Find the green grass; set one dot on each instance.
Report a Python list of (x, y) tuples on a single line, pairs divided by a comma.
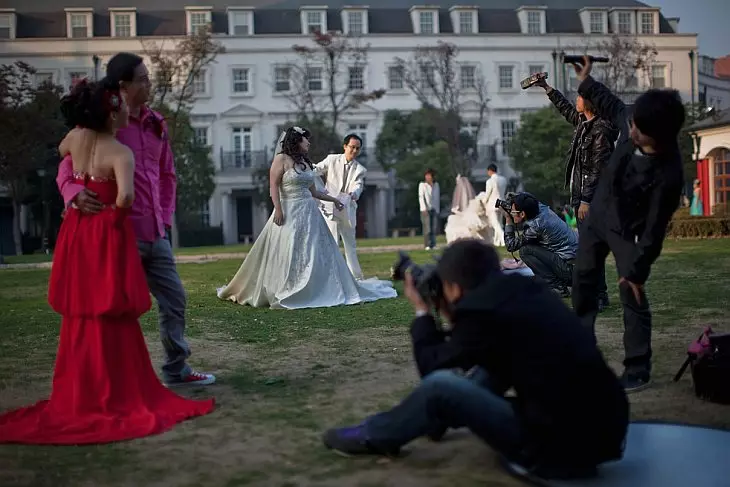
[(285, 376), (229, 249)]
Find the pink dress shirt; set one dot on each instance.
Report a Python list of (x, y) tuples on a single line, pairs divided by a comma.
[(155, 182)]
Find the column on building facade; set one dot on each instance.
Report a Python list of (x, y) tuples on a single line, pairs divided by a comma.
[(24, 219), (229, 230), (379, 226)]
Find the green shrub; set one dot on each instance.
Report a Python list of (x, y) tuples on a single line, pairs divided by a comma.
[(699, 227)]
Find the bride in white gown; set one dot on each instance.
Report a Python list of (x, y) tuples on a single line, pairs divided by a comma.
[(295, 263)]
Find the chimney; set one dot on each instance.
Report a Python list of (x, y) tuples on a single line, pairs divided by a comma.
[(674, 23)]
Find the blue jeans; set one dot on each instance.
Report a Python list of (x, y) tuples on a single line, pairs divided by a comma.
[(166, 286), (428, 224), (446, 398)]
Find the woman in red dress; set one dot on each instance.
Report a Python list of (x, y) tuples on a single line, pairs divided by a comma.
[(104, 386)]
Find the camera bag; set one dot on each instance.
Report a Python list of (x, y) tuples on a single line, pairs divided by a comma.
[(709, 360)]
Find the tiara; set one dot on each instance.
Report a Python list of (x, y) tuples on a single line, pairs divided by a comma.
[(298, 130)]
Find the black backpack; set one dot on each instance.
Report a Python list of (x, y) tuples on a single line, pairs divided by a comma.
[(709, 358)]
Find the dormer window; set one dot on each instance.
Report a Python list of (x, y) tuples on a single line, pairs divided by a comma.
[(240, 21), (647, 22), (532, 20), (7, 24), (199, 18), (314, 19), (464, 20), (355, 21), (623, 22), (79, 23), (425, 20), (123, 22), (594, 21)]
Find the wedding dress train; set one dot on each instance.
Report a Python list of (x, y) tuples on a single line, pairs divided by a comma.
[(473, 222), (299, 264)]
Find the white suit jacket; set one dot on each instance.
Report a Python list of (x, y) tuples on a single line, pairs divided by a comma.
[(332, 169), (496, 188)]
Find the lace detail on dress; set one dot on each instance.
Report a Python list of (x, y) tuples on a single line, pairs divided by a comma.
[(99, 179), (295, 184)]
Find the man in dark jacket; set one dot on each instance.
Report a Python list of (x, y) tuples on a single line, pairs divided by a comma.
[(570, 412), (635, 199), (592, 145)]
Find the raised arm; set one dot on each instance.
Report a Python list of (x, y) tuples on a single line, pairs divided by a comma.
[(566, 109), (608, 106), (124, 174)]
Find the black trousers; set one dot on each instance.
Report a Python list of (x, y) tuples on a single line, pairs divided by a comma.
[(548, 266), (602, 288), (593, 248)]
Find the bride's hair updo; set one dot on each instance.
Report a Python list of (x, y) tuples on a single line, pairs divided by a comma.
[(290, 146), (89, 104)]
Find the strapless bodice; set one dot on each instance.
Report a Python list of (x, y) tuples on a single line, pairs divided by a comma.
[(296, 182), (105, 188)]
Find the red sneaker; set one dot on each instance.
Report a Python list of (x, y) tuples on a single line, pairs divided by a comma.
[(193, 379)]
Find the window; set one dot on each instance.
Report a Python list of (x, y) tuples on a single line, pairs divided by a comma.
[(281, 79), (468, 77), (356, 78), (596, 23), (76, 75), (721, 175), (200, 136), (200, 86), (647, 23), (396, 78), (42, 77), (355, 23), (6, 26), (241, 23), (427, 77), (508, 132), (506, 77), (470, 128), (658, 77), (425, 21), (198, 21), (535, 68), (80, 25), (314, 78), (534, 22), (122, 25), (241, 147), (466, 23), (361, 130), (315, 22), (241, 81), (624, 22)]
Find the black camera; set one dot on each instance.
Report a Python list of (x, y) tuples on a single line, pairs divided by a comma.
[(425, 277), (506, 205), (578, 59)]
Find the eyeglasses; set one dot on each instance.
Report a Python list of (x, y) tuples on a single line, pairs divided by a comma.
[(353, 147)]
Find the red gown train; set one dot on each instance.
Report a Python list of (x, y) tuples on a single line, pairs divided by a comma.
[(104, 386)]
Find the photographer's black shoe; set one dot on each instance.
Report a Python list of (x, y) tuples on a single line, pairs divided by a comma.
[(603, 302), (635, 382), (352, 441)]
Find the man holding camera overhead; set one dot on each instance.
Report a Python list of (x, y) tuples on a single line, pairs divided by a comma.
[(546, 243), (592, 145), (569, 414)]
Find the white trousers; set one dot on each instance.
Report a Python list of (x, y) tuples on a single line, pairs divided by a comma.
[(495, 221), (347, 233)]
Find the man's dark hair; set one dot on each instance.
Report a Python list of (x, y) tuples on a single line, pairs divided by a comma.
[(589, 107), (492, 167), (431, 172), (527, 203), (467, 263), (659, 114), (121, 67), (347, 138)]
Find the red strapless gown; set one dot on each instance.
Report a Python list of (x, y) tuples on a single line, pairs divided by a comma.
[(104, 386)]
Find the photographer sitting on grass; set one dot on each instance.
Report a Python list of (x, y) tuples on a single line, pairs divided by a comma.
[(570, 413), (547, 244)]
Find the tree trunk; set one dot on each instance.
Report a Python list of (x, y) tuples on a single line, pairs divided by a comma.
[(17, 235)]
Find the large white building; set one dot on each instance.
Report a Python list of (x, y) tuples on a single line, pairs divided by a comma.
[(714, 86), (241, 98)]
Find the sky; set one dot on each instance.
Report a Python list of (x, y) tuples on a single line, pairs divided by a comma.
[(708, 18)]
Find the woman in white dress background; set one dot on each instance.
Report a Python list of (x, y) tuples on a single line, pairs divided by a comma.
[(295, 263)]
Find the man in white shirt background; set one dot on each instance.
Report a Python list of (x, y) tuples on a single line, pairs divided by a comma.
[(345, 180), (428, 201), (496, 188)]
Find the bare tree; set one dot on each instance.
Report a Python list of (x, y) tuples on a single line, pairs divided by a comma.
[(328, 77), (431, 74)]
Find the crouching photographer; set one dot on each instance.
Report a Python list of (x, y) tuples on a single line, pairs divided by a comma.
[(569, 413), (546, 243)]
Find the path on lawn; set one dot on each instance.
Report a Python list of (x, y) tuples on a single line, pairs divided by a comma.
[(212, 257)]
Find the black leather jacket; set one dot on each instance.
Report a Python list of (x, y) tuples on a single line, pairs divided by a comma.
[(592, 145)]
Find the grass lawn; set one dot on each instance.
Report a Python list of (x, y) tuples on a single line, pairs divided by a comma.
[(285, 376)]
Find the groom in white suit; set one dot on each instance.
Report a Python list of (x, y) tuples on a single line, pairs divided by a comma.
[(344, 179), (496, 188)]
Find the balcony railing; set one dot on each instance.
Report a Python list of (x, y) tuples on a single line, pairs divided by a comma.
[(244, 160)]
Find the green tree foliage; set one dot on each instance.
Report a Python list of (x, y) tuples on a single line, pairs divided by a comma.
[(539, 150)]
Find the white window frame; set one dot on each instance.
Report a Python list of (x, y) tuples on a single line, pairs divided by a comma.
[(9, 14), (322, 12), (363, 78), (596, 19), (115, 13), (642, 16), (388, 79), (247, 13), (240, 155), (310, 79), (427, 77), (87, 13), (361, 130), (530, 24), (629, 22), (427, 18), (456, 20), (530, 71), (504, 141), (249, 80), (499, 77), (68, 81), (190, 12), (416, 20), (205, 77), (275, 70), (40, 72), (346, 24), (206, 128), (665, 75), (474, 76)]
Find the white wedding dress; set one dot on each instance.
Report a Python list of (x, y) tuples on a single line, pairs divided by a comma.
[(299, 264)]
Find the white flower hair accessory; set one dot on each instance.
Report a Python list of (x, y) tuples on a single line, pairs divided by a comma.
[(299, 130), (114, 101)]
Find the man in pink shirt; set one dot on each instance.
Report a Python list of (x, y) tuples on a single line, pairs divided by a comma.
[(151, 214)]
